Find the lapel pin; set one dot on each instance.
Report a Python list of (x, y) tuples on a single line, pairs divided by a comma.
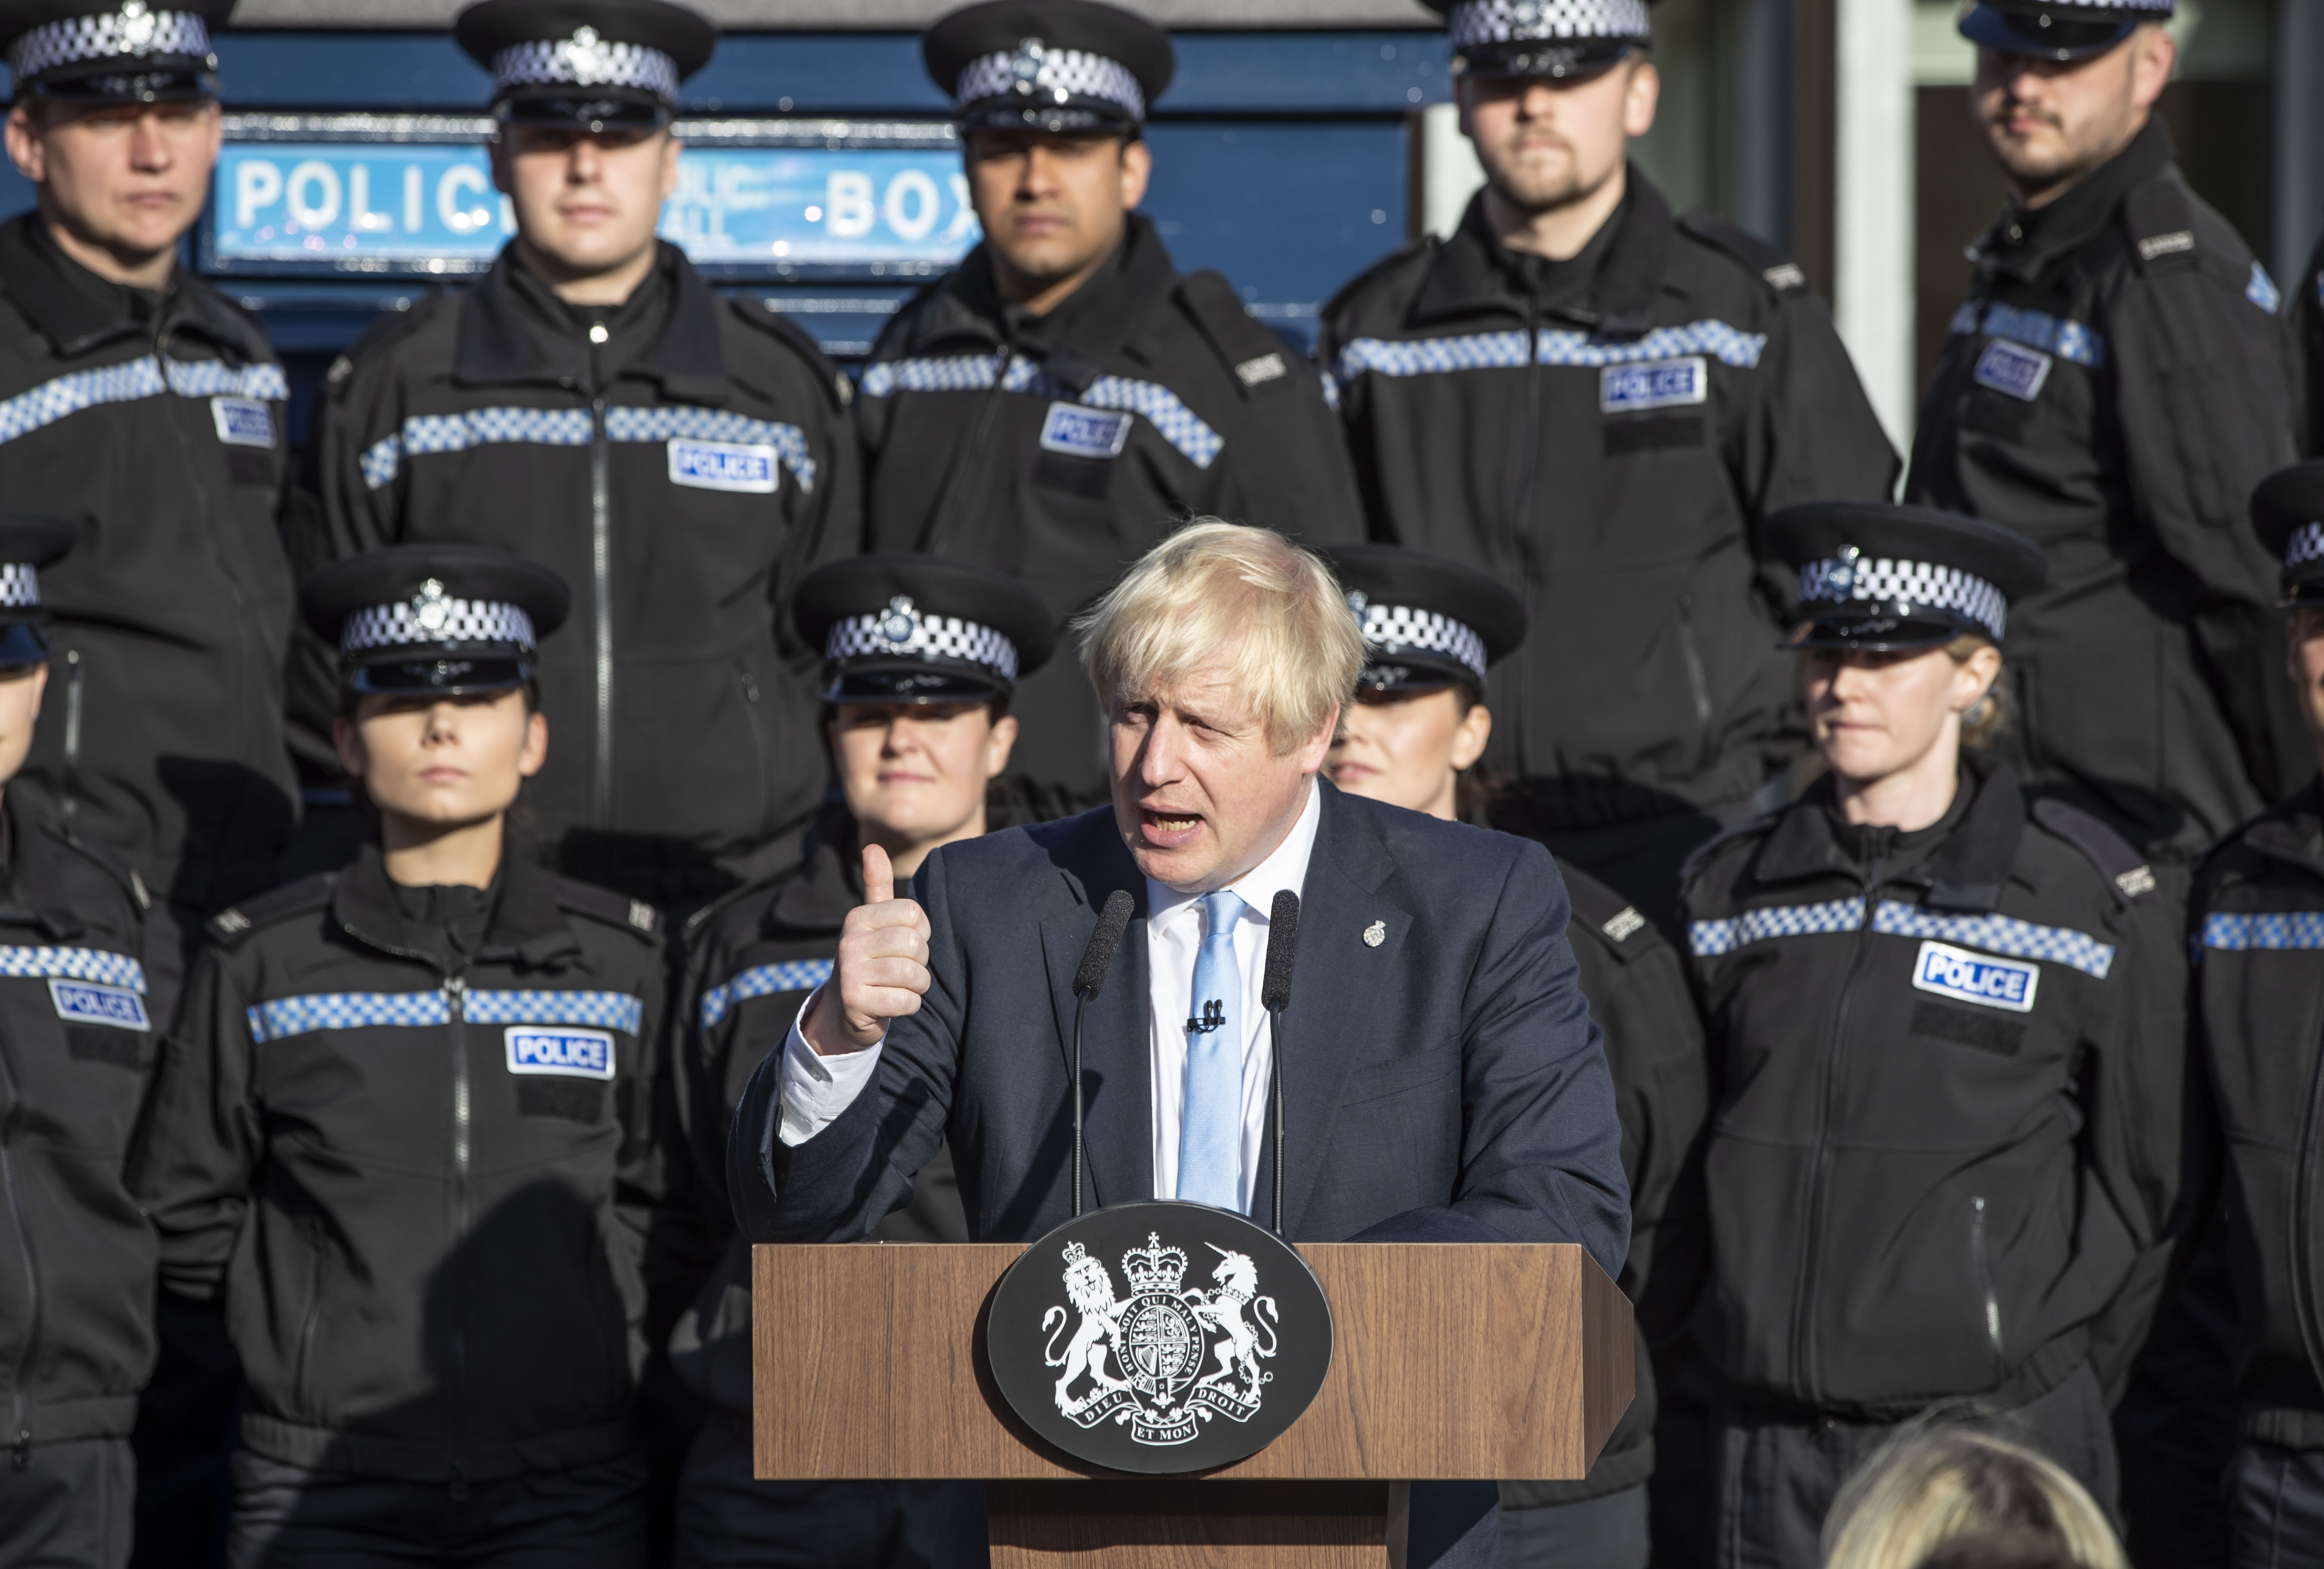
[(1376, 934)]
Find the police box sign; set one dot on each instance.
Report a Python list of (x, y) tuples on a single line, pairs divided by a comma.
[(1979, 978), (578, 1053)]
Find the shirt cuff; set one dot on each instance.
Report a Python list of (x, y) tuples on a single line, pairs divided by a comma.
[(816, 1088)]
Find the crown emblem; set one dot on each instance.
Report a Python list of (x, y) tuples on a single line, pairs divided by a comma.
[(137, 26), (1074, 1254), (585, 55), (1025, 65), (430, 607), (1155, 1268), (900, 622)]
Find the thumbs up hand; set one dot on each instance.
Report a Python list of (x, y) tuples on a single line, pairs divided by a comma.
[(882, 968)]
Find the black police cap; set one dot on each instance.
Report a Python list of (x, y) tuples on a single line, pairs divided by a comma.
[(440, 620), (2050, 29), (919, 628), (113, 52), (586, 62), (1541, 38), (28, 542), (2287, 511), (1428, 622), (1881, 576), (1048, 65)]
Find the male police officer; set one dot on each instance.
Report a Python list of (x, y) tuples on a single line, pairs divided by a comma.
[(679, 457), (2114, 387), (136, 401), (1051, 407), (1597, 403)]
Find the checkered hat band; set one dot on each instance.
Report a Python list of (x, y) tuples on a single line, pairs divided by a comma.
[(2306, 545), (2113, 7), (20, 586), (480, 621), (117, 36), (1068, 71), (1391, 629), (1912, 585), (945, 637), (1480, 21), (600, 63)]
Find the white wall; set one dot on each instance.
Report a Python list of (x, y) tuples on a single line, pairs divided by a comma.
[(1873, 201)]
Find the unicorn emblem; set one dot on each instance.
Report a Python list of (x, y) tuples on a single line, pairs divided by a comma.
[(1238, 1350)]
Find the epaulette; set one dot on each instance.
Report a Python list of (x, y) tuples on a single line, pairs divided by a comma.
[(385, 333), (107, 860), (1607, 913), (699, 921), (1704, 852), (2126, 870), (1771, 262), (634, 916), (774, 324), (231, 925), (2161, 226), (1257, 357), (1424, 245)]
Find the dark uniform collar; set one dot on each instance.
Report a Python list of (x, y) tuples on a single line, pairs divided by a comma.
[(514, 328), (2294, 832), (815, 899), (1964, 857), (2024, 242), (76, 310), (1609, 285), (1070, 339), (526, 925)]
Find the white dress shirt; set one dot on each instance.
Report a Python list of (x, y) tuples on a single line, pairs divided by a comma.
[(816, 1089)]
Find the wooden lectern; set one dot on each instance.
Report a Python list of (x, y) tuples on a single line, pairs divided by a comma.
[(1450, 1361)]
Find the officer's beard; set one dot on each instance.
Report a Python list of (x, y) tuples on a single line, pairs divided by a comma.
[(1537, 186)]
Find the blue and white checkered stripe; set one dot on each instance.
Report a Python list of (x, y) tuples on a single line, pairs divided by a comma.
[(1998, 934), (2291, 929), (425, 435), (287, 1016), (684, 422), (763, 981), (2261, 290), (130, 380), (2068, 340), (1711, 939), (1163, 409), (74, 964), (1488, 350)]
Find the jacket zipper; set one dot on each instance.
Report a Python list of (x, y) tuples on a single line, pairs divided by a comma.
[(21, 1439), (455, 1000), (72, 735), (2303, 1261), (953, 498), (1982, 1260), (1803, 1351), (600, 566), (1697, 678)]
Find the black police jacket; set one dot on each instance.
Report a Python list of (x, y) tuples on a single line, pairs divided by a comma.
[(681, 476), (2114, 387), (2258, 919), (414, 1148), (751, 959), (1637, 986), (156, 422), (77, 1050), (1060, 448), (1948, 1064), (1683, 382)]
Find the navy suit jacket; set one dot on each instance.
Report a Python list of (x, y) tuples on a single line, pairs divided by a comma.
[(1450, 1067)]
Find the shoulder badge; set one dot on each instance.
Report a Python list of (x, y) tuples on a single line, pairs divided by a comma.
[(308, 893), (2125, 871), (1776, 268), (2162, 226), (341, 368), (1267, 367), (1248, 347), (615, 909), (1626, 923)]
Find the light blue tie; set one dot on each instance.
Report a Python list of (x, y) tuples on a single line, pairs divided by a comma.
[(1210, 1128)]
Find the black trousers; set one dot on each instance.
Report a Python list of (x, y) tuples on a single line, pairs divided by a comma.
[(2275, 1507), (1600, 1533), (286, 1517), (69, 1507), (727, 1518), (1777, 1479)]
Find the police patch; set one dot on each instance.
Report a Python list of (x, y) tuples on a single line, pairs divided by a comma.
[(1979, 978), (243, 422), (86, 1002), (1656, 385), (2012, 368), (1080, 432), (574, 1054), (723, 466)]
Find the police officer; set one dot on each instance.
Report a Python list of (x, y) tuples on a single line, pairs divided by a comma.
[(1945, 1026), (678, 456), (2258, 919), (2114, 387), (1597, 403), (77, 1050), (404, 1123), (136, 400), (1418, 723), (1050, 408), (921, 659)]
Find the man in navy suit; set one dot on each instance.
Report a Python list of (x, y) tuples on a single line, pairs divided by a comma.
[(1441, 1078)]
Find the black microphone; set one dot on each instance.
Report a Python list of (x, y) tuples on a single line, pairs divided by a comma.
[(1088, 981), (1274, 996)]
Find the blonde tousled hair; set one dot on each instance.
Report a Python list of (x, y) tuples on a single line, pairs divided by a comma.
[(1218, 594), (1928, 1485)]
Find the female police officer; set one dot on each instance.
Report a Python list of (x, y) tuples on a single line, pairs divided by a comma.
[(1945, 1032)]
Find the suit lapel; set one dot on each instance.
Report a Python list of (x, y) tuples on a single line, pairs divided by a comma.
[(1117, 1119)]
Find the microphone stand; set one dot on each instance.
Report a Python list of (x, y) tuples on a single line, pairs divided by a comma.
[(1275, 1070), (1081, 1004)]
